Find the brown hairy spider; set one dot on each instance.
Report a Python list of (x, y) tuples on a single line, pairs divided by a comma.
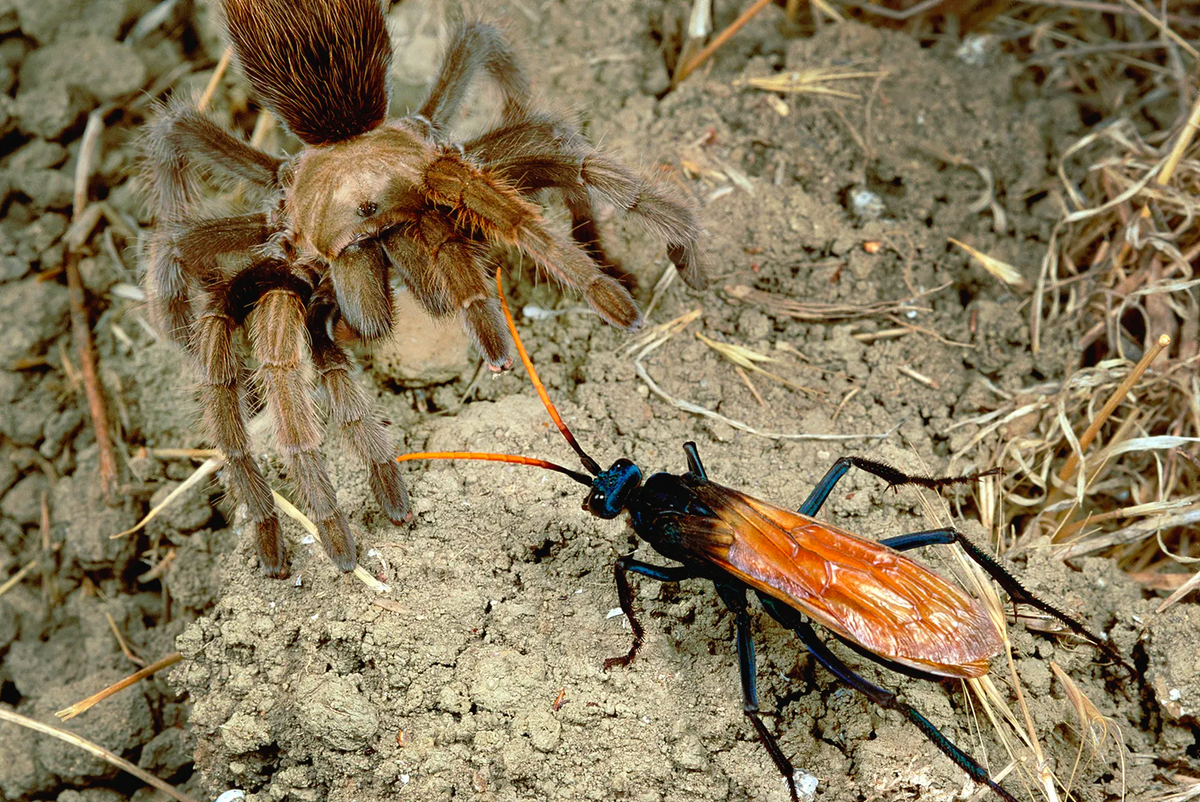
[(366, 200)]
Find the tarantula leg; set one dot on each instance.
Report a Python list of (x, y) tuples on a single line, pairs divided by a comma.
[(352, 412), (364, 289), (278, 335), (167, 289), (538, 153), (181, 142), (462, 266), (667, 217), (417, 270), (475, 46), (183, 256), (220, 373), (543, 152), (500, 212)]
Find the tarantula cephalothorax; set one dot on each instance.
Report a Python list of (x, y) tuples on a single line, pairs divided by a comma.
[(366, 199)]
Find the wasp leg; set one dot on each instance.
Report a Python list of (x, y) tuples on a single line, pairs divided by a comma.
[(887, 473), (734, 597), (880, 696), (663, 573), (693, 460), (1012, 586)]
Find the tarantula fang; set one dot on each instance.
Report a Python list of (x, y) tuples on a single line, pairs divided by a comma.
[(365, 201)]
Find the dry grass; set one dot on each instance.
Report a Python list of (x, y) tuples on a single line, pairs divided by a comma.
[(1118, 275)]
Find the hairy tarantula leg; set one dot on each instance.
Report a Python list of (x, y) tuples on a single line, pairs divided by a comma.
[(541, 152), (416, 269), (278, 335), (354, 416), (180, 142), (462, 266), (363, 287), (183, 256), (500, 212), (475, 46), (167, 289), (225, 418), (545, 152), (669, 218)]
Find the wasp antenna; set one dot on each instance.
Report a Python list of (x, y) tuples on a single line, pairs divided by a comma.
[(515, 459), (592, 466)]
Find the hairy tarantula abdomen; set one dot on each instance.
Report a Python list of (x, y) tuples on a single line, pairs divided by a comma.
[(367, 201), (320, 65)]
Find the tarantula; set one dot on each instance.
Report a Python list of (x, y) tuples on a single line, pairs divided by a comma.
[(366, 200)]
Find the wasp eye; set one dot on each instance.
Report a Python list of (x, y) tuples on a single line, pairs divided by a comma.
[(367, 208)]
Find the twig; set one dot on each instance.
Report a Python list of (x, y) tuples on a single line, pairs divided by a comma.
[(1103, 8), (1068, 469), (688, 68), (746, 380), (823, 312), (80, 326), (654, 338), (888, 13), (215, 80), (68, 713), (97, 407), (49, 592), (16, 578), (1187, 587), (360, 573), (1163, 28), (918, 377), (128, 652), (206, 468), (1181, 144), (94, 749)]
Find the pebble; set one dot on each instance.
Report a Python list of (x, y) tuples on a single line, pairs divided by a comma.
[(545, 731), (50, 20), (336, 711), (46, 188), (503, 678), (59, 428), (422, 351), (88, 522), (34, 312), (244, 733), (688, 752), (37, 154), (50, 101), (24, 502)]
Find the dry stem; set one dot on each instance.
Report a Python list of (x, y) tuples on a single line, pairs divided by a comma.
[(94, 749)]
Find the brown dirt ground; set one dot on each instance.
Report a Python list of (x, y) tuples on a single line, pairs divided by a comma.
[(316, 688)]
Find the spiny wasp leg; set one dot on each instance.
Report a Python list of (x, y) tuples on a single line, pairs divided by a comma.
[(880, 696), (693, 460), (894, 478), (1011, 585), (663, 573), (734, 597)]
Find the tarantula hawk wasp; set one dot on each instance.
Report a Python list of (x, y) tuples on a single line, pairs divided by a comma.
[(868, 594)]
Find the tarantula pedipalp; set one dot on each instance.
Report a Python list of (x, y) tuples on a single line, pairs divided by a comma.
[(365, 200)]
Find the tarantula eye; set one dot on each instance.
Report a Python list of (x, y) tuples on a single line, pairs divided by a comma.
[(367, 208)]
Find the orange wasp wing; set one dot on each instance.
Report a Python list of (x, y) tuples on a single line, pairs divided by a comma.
[(862, 590)]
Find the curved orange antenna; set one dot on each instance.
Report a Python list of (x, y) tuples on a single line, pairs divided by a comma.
[(592, 466), (515, 459)]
